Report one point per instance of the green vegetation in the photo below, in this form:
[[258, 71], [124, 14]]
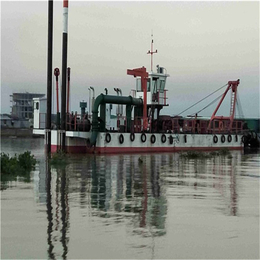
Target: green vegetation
[[204, 155], [20, 165], [195, 155], [223, 151], [59, 159]]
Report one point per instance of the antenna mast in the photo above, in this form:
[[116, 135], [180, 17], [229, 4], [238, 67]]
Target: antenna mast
[[152, 52]]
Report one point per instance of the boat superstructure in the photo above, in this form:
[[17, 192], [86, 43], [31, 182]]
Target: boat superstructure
[[140, 126]]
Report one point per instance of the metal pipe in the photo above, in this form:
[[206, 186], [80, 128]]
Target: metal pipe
[[68, 91], [56, 74], [118, 107], [109, 99], [93, 98], [49, 75], [89, 100], [93, 91], [121, 106]]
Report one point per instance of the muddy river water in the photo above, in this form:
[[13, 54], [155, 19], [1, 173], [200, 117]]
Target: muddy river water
[[141, 206]]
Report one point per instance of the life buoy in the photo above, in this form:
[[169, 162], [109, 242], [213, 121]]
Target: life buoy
[[171, 139], [243, 139], [153, 139], [163, 138], [215, 139], [143, 137], [121, 139], [229, 138], [108, 138], [132, 137], [185, 138], [223, 138]]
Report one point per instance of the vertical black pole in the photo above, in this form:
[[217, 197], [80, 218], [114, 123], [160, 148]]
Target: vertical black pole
[[49, 76], [64, 76]]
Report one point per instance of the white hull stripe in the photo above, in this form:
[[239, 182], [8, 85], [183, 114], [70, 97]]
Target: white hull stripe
[[65, 19]]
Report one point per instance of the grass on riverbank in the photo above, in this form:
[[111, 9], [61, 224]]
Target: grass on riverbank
[[204, 155]]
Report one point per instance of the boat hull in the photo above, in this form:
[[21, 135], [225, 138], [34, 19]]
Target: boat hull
[[77, 142]]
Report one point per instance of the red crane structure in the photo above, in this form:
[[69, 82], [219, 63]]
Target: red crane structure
[[225, 122], [141, 72]]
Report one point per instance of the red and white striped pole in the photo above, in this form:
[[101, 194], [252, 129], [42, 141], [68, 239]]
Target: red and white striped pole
[[64, 70], [152, 52]]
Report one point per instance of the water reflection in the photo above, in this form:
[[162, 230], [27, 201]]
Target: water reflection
[[57, 204], [224, 181], [49, 212], [128, 184], [98, 189], [191, 178], [134, 189]]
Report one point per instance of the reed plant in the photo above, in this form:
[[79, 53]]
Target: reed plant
[[204, 155]]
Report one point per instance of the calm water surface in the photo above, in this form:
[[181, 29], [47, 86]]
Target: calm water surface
[[143, 206]]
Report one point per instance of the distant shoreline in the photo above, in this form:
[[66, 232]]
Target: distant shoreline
[[16, 132]]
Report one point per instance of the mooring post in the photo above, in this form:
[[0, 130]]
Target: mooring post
[[49, 77], [64, 73]]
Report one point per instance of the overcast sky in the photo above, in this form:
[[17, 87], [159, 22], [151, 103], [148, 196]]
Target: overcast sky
[[202, 45]]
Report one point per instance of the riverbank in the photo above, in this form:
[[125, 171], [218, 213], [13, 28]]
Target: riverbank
[[17, 132]]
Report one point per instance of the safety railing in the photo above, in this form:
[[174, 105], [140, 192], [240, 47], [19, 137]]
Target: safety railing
[[78, 123]]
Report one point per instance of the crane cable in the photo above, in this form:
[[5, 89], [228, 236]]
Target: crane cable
[[239, 107], [202, 99], [208, 105]]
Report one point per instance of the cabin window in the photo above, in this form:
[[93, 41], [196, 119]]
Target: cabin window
[[155, 114], [148, 85], [139, 85], [162, 86], [154, 82]]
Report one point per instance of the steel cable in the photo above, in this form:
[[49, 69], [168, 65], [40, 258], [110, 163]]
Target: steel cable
[[239, 107], [208, 105], [201, 100]]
